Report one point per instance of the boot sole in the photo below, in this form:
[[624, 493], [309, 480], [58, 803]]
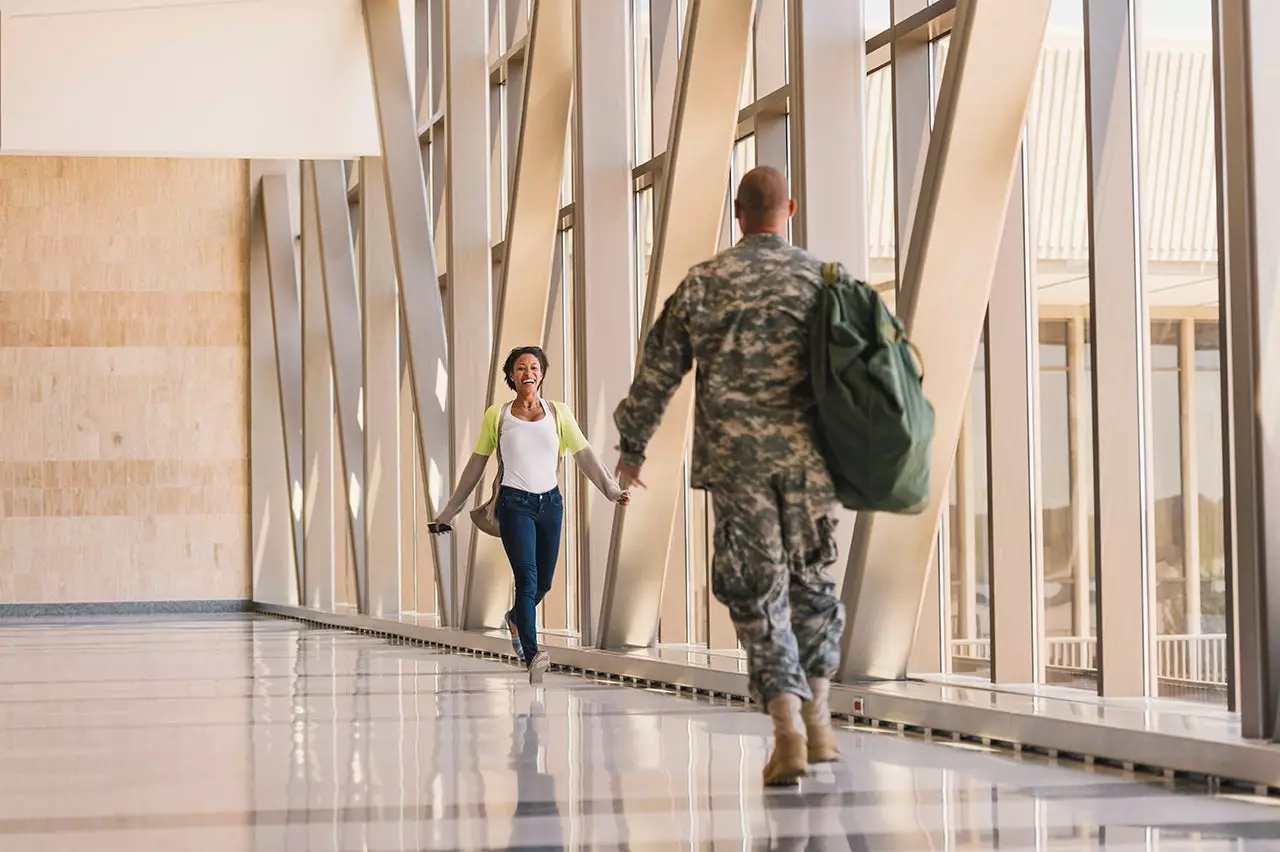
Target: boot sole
[[537, 670], [789, 777], [825, 757]]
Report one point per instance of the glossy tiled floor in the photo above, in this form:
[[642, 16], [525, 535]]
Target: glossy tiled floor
[[236, 734]]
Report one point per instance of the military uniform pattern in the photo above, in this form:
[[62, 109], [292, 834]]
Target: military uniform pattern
[[774, 541], [744, 318]]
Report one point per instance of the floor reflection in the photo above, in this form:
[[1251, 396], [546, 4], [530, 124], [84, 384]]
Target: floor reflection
[[535, 787], [247, 734]]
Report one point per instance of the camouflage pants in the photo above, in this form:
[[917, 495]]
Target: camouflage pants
[[774, 541]]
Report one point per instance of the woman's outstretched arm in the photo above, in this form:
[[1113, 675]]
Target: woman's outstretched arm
[[573, 441], [467, 482], [600, 477]]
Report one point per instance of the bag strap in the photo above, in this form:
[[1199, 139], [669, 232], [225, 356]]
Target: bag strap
[[554, 411], [830, 272], [502, 416]]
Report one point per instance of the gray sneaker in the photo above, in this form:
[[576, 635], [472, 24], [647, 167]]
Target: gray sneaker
[[515, 634], [538, 667]]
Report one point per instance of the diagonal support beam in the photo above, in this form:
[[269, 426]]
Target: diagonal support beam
[[318, 517], [415, 262], [959, 222], [699, 156], [380, 313], [286, 314], [532, 222], [342, 310]]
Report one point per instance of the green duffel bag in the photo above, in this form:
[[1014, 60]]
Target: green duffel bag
[[875, 426]]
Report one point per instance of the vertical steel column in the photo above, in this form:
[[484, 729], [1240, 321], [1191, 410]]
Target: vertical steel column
[[342, 308], [995, 52], [604, 315], [1012, 367], [965, 534], [1079, 437], [277, 558], [319, 532], [1248, 118], [828, 130], [532, 228], [699, 155], [415, 261], [286, 316], [1119, 335], [466, 230], [380, 312], [912, 77], [1190, 478]]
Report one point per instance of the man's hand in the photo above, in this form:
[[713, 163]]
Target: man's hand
[[629, 475]]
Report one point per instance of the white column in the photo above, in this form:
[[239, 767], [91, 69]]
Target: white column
[[1012, 368], [380, 312], [603, 313], [466, 231], [1119, 333], [319, 532], [1190, 476], [276, 543]]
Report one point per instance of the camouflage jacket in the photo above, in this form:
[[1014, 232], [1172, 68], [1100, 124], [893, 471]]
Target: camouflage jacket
[[744, 318]]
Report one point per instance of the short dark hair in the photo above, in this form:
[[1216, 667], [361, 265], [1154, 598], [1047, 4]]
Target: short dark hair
[[761, 193], [510, 365]]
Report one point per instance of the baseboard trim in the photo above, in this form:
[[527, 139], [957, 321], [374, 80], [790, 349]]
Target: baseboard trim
[[73, 609]]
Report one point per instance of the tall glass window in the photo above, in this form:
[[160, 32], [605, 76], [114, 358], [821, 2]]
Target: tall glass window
[[641, 82], [882, 237], [1058, 189], [1180, 226]]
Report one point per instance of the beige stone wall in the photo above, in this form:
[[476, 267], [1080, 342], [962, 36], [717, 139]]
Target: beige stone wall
[[123, 380]]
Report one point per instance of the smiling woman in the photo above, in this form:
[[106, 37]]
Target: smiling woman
[[530, 436]]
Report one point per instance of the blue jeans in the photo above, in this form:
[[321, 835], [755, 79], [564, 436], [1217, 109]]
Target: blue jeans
[[530, 527]]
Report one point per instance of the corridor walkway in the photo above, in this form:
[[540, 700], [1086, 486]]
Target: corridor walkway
[[247, 733]]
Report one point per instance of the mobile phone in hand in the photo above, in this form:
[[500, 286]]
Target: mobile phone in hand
[[439, 529]]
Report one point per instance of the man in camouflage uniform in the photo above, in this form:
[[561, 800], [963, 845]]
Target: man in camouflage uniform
[[744, 318]]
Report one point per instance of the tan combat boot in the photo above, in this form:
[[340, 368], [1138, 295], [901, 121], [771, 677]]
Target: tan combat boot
[[817, 723], [789, 761]]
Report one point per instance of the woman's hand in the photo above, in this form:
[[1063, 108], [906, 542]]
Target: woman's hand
[[624, 499], [439, 529]]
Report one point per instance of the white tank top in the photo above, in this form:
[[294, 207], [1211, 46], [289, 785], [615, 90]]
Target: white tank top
[[530, 452]]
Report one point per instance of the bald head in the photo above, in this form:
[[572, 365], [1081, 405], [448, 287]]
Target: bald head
[[763, 204]]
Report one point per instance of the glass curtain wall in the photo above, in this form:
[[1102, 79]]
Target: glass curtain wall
[[1187, 565], [1187, 568]]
